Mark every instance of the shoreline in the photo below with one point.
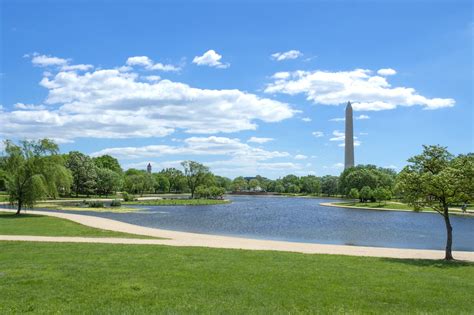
(187, 239)
(335, 205)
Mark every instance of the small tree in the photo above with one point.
(437, 180)
(354, 193)
(382, 194)
(365, 194)
(196, 175)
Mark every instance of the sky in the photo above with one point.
(244, 87)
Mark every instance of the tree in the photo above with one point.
(108, 162)
(107, 181)
(354, 193)
(239, 183)
(84, 173)
(329, 185)
(161, 182)
(27, 168)
(310, 184)
(176, 179)
(365, 194)
(223, 182)
(366, 175)
(438, 180)
(382, 194)
(253, 184)
(196, 174)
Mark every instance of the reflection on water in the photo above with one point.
(304, 220)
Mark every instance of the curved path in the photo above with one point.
(175, 238)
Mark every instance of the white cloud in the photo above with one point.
(153, 78)
(80, 67)
(300, 157)
(318, 134)
(306, 119)
(210, 58)
(46, 61)
(195, 146)
(337, 119)
(148, 64)
(28, 106)
(365, 90)
(362, 117)
(386, 71)
(291, 54)
(108, 103)
(259, 140)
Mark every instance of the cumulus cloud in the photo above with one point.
(291, 54)
(28, 106)
(365, 90)
(153, 78)
(318, 134)
(386, 71)
(51, 61)
(259, 140)
(210, 58)
(148, 64)
(109, 103)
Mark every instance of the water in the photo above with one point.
(304, 220)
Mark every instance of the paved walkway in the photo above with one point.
(174, 238)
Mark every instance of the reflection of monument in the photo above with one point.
(349, 138)
(148, 168)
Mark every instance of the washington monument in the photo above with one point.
(349, 138)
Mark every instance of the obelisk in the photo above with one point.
(349, 138)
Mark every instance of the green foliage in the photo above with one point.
(212, 192)
(33, 170)
(366, 175)
(162, 183)
(95, 204)
(223, 182)
(354, 193)
(127, 197)
(253, 184)
(139, 182)
(310, 184)
(329, 185)
(382, 194)
(239, 184)
(116, 203)
(196, 175)
(84, 173)
(108, 162)
(176, 178)
(107, 181)
(365, 194)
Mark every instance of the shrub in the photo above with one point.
(127, 197)
(115, 203)
(354, 193)
(95, 204)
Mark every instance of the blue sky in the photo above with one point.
(246, 88)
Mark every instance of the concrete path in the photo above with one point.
(174, 238)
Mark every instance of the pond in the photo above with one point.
(304, 220)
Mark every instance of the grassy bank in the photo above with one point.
(29, 224)
(71, 207)
(177, 202)
(113, 279)
(388, 206)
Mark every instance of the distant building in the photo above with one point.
(148, 168)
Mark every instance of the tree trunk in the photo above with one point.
(449, 230)
(19, 208)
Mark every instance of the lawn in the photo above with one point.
(177, 202)
(125, 279)
(29, 224)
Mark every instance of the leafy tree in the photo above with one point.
(279, 188)
(239, 183)
(212, 192)
(176, 179)
(196, 175)
(161, 182)
(27, 168)
(382, 194)
(253, 184)
(329, 185)
(366, 175)
(108, 162)
(354, 193)
(223, 182)
(293, 189)
(310, 184)
(291, 181)
(107, 181)
(365, 194)
(84, 173)
(438, 180)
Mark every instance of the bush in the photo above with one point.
(354, 193)
(212, 192)
(127, 197)
(115, 203)
(95, 204)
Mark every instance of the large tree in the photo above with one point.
(438, 180)
(34, 170)
(108, 162)
(107, 181)
(84, 173)
(196, 175)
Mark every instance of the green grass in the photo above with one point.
(30, 224)
(126, 279)
(71, 207)
(177, 202)
(387, 206)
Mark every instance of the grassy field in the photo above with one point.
(29, 224)
(117, 279)
(177, 202)
(388, 205)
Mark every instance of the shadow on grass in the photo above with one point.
(14, 216)
(442, 264)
